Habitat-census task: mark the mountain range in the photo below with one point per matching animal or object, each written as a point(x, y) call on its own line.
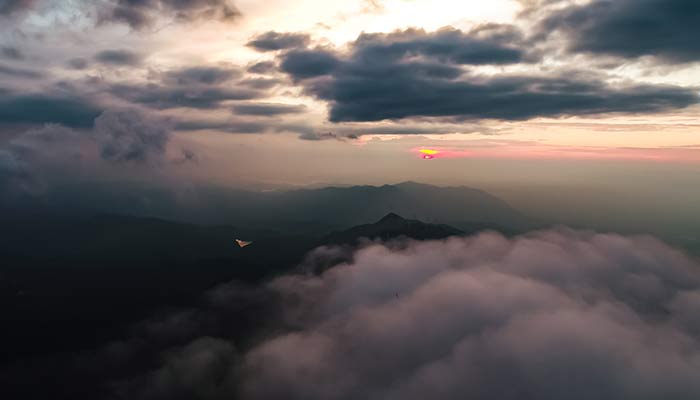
point(62, 271)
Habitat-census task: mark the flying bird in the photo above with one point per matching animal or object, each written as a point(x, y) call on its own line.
point(243, 243)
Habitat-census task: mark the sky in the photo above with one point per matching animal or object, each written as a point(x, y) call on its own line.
point(287, 94)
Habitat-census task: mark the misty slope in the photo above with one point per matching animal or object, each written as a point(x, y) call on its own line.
point(389, 227)
point(84, 278)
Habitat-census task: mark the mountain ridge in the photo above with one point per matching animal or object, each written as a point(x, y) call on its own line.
point(391, 226)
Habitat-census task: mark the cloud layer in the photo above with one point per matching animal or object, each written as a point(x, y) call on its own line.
point(550, 315)
point(663, 29)
point(144, 14)
point(414, 73)
point(556, 314)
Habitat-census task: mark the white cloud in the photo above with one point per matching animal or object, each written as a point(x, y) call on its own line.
point(550, 315)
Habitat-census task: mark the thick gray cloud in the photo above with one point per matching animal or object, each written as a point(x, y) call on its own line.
point(272, 41)
point(302, 64)
point(380, 78)
point(202, 75)
point(47, 108)
point(40, 160)
point(35, 157)
point(550, 315)
point(202, 87)
point(244, 125)
point(163, 97)
point(118, 57)
point(486, 44)
point(142, 14)
point(404, 90)
point(665, 29)
point(129, 135)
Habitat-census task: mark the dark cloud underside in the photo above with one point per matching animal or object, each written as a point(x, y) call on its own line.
point(359, 91)
point(666, 29)
point(37, 108)
point(163, 97)
point(417, 74)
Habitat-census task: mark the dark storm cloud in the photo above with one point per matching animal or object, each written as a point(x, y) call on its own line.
point(302, 64)
point(666, 29)
point(377, 53)
point(130, 135)
point(118, 57)
point(272, 41)
point(486, 44)
point(402, 90)
point(556, 314)
point(202, 75)
point(268, 109)
point(37, 164)
point(12, 53)
point(44, 108)
point(203, 87)
point(379, 79)
point(163, 97)
point(142, 14)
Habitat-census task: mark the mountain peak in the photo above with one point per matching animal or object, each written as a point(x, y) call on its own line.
point(390, 227)
point(391, 217)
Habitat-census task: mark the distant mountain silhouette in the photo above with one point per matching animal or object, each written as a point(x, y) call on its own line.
point(349, 206)
point(392, 226)
point(304, 211)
